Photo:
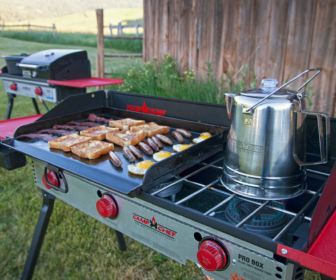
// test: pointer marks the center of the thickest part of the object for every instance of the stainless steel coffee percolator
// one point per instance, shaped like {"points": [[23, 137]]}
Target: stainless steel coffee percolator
{"points": [[265, 154]]}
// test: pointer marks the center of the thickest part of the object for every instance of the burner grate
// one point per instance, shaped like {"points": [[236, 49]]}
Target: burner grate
{"points": [[229, 197]]}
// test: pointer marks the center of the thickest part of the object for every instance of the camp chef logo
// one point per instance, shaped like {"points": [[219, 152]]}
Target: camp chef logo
{"points": [[152, 224], [236, 276], [145, 109], [235, 145]]}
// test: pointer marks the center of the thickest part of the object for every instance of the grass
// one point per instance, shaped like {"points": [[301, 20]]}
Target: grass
{"points": [[73, 39], [76, 246]]}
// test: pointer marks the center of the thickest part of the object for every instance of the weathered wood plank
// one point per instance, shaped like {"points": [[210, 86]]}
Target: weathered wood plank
{"points": [[263, 12], [323, 54], [193, 29], [276, 48], [206, 27], [301, 24]]}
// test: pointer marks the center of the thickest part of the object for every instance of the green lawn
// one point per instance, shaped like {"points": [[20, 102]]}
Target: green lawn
{"points": [[76, 246]]}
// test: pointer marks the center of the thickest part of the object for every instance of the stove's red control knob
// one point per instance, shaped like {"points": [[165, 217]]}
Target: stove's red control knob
{"points": [[13, 86], [107, 207], [52, 178], [38, 91], [211, 256]]}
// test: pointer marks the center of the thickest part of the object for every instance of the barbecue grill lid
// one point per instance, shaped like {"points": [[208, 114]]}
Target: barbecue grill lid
{"points": [[45, 58]]}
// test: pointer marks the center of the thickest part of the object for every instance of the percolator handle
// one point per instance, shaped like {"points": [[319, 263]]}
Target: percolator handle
{"points": [[250, 110], [324, 139]]}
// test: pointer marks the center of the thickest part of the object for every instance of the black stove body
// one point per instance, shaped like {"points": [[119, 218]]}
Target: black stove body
{"points": [[56, 64], [200, 215]]}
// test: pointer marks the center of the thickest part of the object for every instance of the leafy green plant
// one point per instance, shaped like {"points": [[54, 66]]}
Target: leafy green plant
{"points": [[310, 93], [162, 78]]}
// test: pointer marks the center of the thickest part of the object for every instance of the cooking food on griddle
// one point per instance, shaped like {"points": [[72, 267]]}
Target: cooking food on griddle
{"points": [[36, 136], [157, 142], [125, 124], [184, 132], [145, 148], [164, 139], [114, 159], [178, 136], [135, 151], [70, 127], [128, 154], [125, 137], [89, 124], [56, 132], [162, 155], [64, 143], [94, 118], [202, 137], [98, 132], [92, 149], [140, 168], [181, 147], [151, 129]]}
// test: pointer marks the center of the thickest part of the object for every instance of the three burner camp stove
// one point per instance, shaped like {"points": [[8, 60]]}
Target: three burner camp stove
{"points": [[184, 212], [50, 75]]}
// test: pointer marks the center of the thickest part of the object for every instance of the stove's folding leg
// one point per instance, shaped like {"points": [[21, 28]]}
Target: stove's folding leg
{"points": [[35, 106], [325, 277], [10, 105], [40, 230], [121, 241]]}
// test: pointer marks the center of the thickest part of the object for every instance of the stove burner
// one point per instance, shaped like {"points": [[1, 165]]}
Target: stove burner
{"points": [[267, 222], [171, 191]]}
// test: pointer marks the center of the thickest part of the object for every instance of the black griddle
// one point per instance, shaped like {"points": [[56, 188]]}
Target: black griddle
{"points": [[100, 170]]}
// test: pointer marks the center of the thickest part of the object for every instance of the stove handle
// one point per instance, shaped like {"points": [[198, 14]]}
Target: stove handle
{"points": [[33, 66], [58, 172]]}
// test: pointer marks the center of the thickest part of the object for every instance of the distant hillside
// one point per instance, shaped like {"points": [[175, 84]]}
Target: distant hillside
{"points": [[86, 22], [24, 10]]}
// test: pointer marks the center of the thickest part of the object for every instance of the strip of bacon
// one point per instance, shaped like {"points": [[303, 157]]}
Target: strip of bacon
{"points": [[94, 118], [55, 132], [35, 136], [71, 128], [89, 124]]}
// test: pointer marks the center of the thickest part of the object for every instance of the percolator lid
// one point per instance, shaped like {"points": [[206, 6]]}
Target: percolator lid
{"points": [[270, 85]]}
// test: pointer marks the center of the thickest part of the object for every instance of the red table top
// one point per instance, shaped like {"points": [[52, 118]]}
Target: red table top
{"points": [[8, 127], [84, 83]]}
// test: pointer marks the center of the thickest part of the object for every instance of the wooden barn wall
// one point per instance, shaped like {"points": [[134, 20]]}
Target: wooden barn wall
{"points": [[277, 39]]}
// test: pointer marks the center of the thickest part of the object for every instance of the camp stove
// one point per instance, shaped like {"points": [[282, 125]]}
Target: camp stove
{"points": [[185, 212], [50, 75]]}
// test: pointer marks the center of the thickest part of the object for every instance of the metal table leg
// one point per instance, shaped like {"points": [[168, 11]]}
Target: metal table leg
{"points": [[35, 106], [10, 105], [121, 241], [40, 230]]}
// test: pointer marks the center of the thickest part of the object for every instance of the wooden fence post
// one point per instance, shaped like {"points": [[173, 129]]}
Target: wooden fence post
{"points": [[111, 29], [120, 32], [28, 27], [137, 27], [54, 30], [100, 42], [2, 27]]}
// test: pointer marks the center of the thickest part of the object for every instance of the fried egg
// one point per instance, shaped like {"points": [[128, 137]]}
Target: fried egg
{"points": [[181, 147], [140, 168], [162, 155], [202, 137]]}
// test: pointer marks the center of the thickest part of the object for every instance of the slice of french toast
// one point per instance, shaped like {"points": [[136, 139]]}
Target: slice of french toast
{"points": [[125, 137], [64, 143], [92, 149], [151, 129], [98, 132], [125, 124]]}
